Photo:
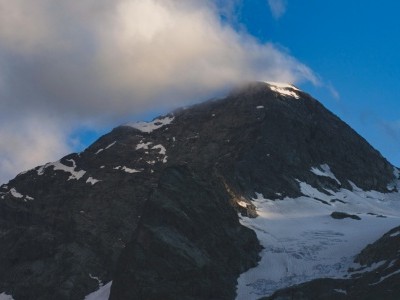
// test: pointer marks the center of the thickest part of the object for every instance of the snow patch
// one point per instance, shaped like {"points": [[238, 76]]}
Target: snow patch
{"points": [[4, 296], [15, 194], [128, 170], [153, 125], [284, 89], [73, 162], [142, 145], [163, 151], [283, 85], [395, 184], [58, 166], [41, 169], [161, 148], [92, 181], [325, 171], [103, 293], [340, 291]]}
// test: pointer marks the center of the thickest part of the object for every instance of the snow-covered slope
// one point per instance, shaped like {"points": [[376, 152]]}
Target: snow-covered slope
{"points": [[302, 241], [103, 293]]}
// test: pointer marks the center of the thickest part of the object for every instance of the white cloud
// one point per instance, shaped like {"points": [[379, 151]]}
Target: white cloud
{"points": [[278, 7], [103, 61], [28, 143]]}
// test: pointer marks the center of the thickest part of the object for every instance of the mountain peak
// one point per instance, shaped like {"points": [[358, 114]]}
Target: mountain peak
{"points": [[283, 85], [163, 199], [284, 89], [279, 89]]}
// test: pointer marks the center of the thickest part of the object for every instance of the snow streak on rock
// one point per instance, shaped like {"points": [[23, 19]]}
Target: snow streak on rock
{"points": [[129, 170], [58, 166], [325, 171], [153, 125], [15, 194], [142, 145], [92, 181]]}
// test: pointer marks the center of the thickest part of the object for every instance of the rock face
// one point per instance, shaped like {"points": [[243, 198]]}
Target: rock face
{"points": [[188, 244], [153, 206]]}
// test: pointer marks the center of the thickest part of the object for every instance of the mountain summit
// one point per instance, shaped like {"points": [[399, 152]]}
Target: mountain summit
{"points": [[236, 197]]}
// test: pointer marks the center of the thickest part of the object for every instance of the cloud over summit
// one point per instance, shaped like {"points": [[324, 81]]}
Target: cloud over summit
{"points": [[103, 61]]}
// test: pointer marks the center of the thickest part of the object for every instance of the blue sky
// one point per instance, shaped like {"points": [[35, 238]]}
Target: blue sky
{"points": [[354, 46], [73, 70]]}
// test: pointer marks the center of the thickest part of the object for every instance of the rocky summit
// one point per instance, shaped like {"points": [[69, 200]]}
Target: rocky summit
{"points": [[263, 193]]}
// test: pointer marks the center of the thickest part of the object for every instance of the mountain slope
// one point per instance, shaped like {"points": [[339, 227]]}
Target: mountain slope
{"points": [[157, 200]]}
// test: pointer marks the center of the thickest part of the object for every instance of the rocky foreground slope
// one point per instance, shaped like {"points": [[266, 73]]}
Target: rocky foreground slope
{"points": [[153, 207]]}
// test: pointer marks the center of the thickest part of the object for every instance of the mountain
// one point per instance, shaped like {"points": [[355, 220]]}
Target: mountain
{"points": [[235, 197]]}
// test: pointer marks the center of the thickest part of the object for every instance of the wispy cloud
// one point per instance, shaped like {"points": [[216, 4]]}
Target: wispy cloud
{"points": [[392, 129], [278, 7], [103, 61]]}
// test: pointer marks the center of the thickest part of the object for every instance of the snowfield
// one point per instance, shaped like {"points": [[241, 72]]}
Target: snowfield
{"points": [[103, 293], [303, 242], [4, 296]]}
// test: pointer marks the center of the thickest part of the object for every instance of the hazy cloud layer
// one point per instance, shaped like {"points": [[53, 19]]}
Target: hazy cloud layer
{"points": [[103, 61]]}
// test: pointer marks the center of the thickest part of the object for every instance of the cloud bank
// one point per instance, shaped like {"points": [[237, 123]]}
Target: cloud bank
{"points": [[104, 61]]}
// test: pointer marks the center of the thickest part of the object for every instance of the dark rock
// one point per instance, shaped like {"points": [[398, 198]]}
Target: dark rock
{"points": [[188, 245], [343, 215]]}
